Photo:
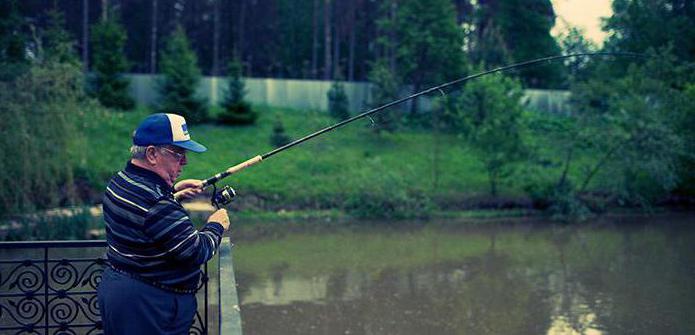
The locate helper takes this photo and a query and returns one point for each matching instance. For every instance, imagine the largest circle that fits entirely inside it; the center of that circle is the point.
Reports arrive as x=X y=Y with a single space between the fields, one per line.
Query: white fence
x=311 y=94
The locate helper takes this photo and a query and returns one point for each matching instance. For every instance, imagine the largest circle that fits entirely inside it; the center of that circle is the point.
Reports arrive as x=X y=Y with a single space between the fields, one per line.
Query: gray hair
x=138 y=152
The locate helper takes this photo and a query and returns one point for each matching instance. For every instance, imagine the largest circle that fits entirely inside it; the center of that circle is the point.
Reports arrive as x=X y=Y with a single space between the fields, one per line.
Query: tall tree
x=315 y=39
x=429 y=43
x=109 y=64
x=13 y=42
x=524 y=30
x=179 y=65
x=327 y=65
x=153 y=37
x=85 y=34
x=637 y=25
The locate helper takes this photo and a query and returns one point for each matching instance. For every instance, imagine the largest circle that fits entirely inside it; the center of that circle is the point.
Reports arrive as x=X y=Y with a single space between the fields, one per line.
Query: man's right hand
x=221 y=217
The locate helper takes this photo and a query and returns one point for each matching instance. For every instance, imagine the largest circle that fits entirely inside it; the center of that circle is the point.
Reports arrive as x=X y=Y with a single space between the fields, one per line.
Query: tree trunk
x=240 y=33
x=351 y=51
x=85 y=35
x=315 y=41
x=104 y=10
x=153 y=38
x=216 y=39
x=327 y=66
x=335 y=73
x=492 y=175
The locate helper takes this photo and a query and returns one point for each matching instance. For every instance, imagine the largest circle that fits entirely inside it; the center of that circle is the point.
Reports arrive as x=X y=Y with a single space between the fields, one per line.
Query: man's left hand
x=187 y=188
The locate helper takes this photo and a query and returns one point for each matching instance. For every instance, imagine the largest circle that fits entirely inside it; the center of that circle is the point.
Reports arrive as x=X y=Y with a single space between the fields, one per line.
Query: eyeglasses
x=180 y=157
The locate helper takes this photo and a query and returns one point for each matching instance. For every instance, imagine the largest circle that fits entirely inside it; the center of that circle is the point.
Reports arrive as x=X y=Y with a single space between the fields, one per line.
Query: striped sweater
x=150 y=235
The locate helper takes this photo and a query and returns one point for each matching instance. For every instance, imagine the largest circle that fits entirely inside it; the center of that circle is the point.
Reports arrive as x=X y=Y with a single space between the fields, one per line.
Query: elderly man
x=154 y=251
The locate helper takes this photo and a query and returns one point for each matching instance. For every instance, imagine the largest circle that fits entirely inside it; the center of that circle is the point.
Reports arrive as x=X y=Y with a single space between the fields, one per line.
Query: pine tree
x=57 y=44
x=181 y=76
x=279 y=138
x=236 y=109
x=338 y=101
x=109 y=64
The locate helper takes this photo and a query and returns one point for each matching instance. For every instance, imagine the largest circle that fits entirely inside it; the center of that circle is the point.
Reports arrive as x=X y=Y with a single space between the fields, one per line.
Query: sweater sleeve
x=172 y=231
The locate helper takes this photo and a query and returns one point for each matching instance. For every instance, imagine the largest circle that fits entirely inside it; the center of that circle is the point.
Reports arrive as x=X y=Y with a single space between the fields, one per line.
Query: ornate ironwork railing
x=50 y=288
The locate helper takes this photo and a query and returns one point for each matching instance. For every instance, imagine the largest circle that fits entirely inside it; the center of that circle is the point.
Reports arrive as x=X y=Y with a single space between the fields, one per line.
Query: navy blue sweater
x=150 y=235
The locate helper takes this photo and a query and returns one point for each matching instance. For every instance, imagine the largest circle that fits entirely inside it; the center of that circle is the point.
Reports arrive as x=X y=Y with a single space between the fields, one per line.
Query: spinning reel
x=223 y=197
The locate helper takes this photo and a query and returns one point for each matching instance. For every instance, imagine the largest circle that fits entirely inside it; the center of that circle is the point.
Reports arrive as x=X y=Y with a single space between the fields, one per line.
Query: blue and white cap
x=161 y=128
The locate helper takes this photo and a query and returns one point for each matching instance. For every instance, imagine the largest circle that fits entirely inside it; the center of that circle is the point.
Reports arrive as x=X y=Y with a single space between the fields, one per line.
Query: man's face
x=170 y=161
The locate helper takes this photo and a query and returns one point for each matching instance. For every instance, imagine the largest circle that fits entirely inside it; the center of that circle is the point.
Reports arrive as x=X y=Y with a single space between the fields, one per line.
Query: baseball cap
x=165 y=128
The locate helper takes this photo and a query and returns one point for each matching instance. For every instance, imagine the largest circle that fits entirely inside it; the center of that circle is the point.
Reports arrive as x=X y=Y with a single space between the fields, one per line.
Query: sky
x=585 y=14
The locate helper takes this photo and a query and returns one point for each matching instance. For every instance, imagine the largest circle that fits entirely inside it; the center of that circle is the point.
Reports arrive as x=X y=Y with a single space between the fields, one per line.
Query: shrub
x=338 y=101
x=278 y=138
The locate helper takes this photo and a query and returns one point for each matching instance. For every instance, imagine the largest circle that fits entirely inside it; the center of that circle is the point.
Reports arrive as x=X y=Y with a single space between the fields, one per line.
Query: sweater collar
x=148 y=175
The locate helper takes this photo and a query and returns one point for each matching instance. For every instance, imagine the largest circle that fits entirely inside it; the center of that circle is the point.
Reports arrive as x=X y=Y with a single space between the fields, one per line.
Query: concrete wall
x=311 y=94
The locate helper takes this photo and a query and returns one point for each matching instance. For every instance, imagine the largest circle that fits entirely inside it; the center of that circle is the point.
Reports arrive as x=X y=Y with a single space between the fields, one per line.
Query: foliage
x=73 y=225
x=236 y=109
x=523 y=28
x=628 y=128
x=109 y=64
x=572 y=41
x=181 y=75
x=686 y=164
x=338 y=101
x=56 y=45
x=488 y=114
x=43 y=110
x=637 y=25
x=390 y=199
x=385 y=87
x=279 y=138
x=427 y=44
x=13 y=41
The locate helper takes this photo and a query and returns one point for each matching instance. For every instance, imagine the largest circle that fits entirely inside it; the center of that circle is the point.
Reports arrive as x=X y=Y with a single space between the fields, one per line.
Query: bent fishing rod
x=226 y=194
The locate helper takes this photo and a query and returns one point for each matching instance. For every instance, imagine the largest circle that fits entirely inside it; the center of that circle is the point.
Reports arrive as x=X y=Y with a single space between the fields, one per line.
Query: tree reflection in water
x=474 y=279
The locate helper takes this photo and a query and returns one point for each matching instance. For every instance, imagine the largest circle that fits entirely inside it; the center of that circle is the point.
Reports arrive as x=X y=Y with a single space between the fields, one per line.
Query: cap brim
x=191 y=145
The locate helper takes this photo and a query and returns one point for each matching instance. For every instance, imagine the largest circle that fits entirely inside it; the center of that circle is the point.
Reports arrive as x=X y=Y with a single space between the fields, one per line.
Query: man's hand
x=221 y=217
x=187 y=188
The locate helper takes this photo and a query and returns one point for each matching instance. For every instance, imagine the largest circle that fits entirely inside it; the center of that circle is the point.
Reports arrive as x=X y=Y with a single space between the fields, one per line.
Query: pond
x=615 y=275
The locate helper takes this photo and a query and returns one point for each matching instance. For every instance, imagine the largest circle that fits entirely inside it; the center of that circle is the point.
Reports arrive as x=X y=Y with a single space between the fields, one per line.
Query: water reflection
x=492 y=278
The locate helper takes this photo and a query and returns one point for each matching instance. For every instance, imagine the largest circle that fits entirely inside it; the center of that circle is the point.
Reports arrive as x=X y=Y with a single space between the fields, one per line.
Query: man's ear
x=151 y=155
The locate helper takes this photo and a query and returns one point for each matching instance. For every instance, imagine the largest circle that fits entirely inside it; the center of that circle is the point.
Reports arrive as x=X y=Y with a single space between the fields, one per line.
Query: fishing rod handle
x=232 y=170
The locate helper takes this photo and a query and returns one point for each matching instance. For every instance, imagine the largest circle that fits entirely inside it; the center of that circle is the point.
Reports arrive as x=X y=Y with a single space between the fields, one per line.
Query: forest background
x=627 y=141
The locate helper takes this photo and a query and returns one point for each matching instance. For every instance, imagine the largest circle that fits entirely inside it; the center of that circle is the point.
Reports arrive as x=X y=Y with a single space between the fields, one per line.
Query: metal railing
x=50 y=288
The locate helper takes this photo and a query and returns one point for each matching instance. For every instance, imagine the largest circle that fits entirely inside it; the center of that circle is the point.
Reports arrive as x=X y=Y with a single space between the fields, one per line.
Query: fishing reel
x=222 y=197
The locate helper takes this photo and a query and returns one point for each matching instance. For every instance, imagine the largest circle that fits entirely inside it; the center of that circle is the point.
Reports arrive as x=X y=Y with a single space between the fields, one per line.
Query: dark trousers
x=131 y=307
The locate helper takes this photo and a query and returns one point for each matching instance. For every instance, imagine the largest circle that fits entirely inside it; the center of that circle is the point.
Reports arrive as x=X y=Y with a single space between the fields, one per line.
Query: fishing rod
x=227 y=193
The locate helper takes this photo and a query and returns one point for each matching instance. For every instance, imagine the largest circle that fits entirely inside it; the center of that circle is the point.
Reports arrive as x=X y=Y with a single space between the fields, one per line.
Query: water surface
x=616 y=275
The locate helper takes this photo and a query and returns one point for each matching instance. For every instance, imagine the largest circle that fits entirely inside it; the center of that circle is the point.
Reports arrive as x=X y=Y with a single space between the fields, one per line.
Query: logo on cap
x=184 y=127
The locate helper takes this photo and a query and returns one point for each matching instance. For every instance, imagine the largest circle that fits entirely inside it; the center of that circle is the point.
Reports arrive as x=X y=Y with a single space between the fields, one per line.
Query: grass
x=333 y=165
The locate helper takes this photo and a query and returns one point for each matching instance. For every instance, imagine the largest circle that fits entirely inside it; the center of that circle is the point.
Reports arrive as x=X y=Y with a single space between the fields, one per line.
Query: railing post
x=230 y=316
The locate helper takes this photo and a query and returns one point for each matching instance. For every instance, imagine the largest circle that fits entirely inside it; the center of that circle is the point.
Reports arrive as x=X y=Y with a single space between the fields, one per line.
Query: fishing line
x=257 y=159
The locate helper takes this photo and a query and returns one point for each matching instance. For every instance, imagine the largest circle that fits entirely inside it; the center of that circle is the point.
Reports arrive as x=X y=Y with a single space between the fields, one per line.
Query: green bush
x=72 y=225
x=399 y=204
